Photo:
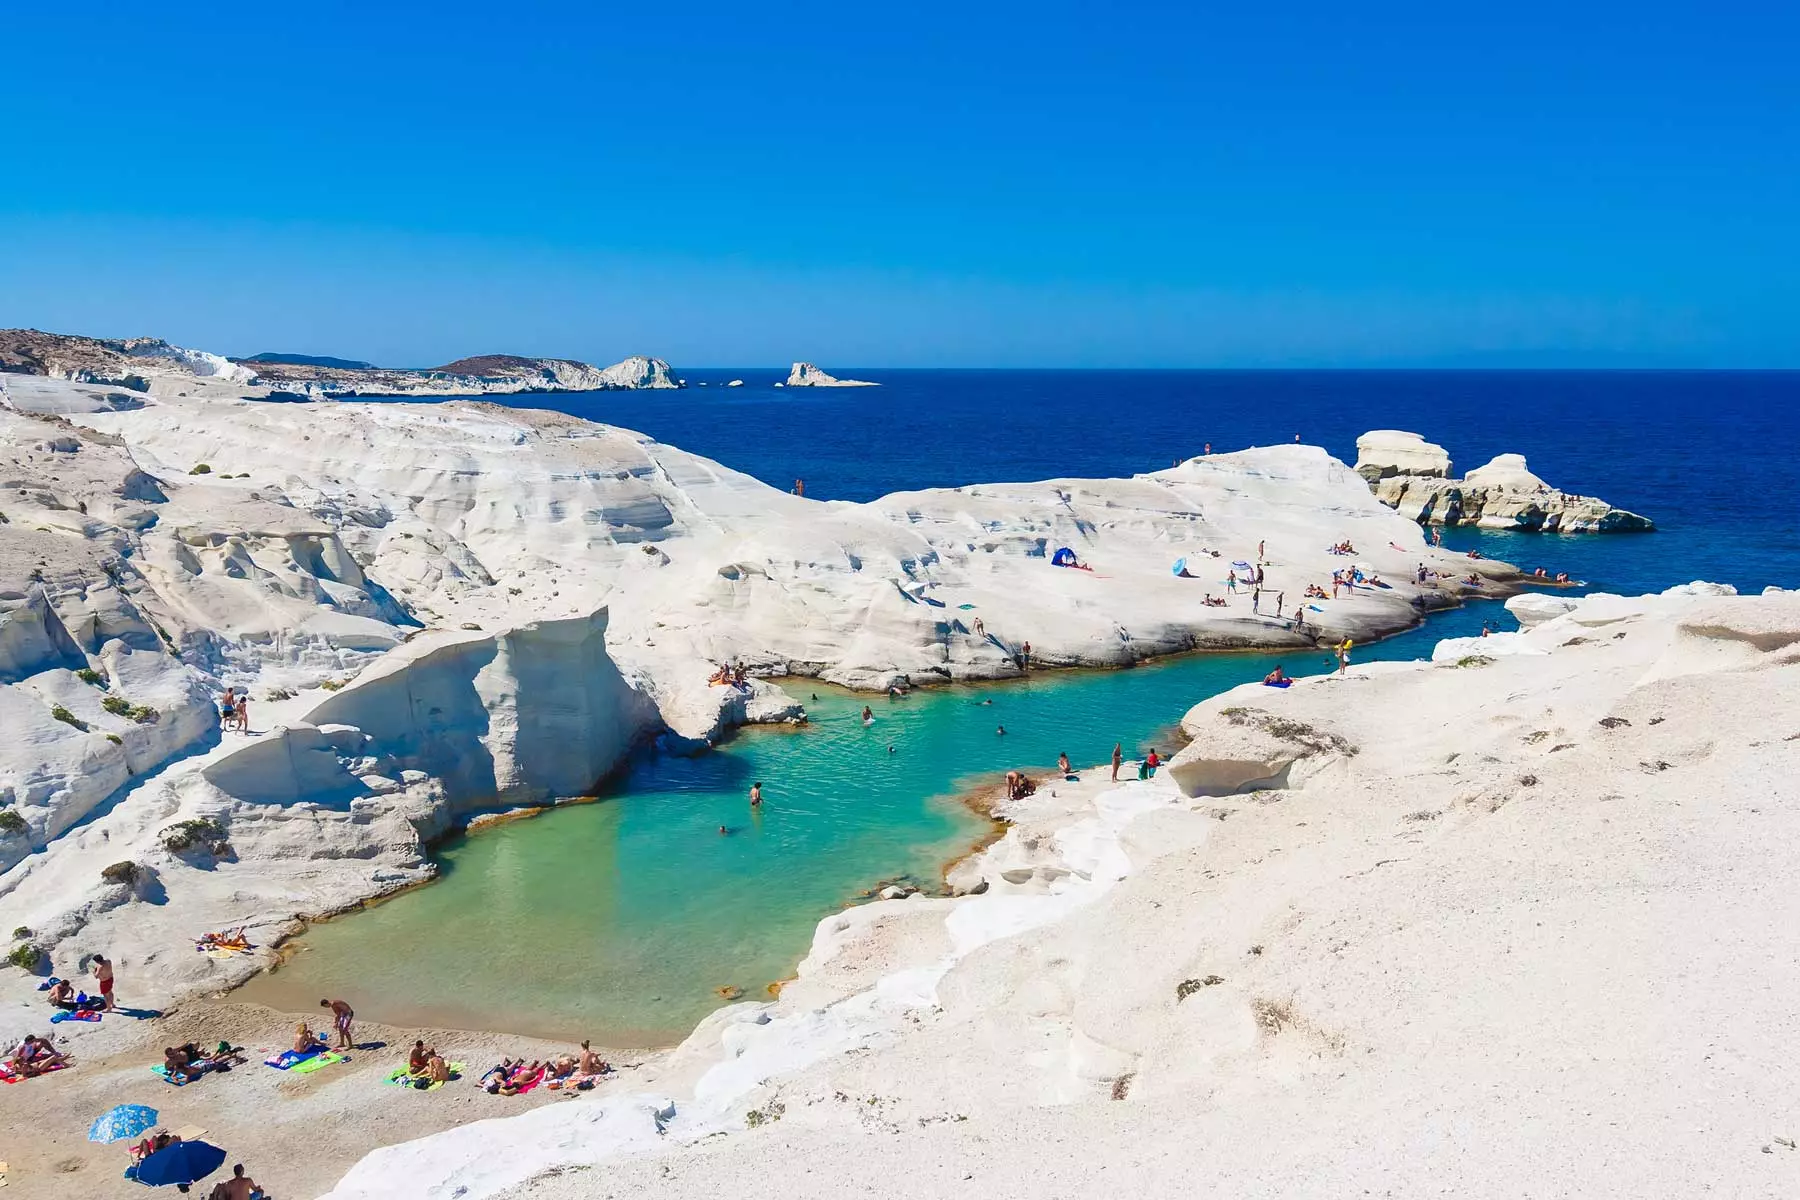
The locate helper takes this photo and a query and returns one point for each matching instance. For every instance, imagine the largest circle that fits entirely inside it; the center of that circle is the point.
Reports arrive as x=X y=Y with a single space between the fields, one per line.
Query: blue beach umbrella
x=127 y=1120
x=184 y=1162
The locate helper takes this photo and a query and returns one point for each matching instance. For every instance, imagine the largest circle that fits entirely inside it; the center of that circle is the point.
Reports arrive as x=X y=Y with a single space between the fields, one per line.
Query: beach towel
x=8 y=1075
x=406 y=1078
x=319 y=1062
x=576 y=1083
x=288 y=1058
x=536 y=1079
x=162 y=1073
x=1278 y=683
x=48 y=984
x=80 y=1014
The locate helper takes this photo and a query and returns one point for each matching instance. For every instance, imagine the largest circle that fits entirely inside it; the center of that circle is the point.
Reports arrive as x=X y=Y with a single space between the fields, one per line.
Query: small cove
x=620 y=920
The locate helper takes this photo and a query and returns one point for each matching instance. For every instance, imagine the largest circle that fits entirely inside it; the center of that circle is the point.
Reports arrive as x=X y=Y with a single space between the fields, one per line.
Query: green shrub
x=200 y=469
x=143 y=714
x=68 y=718
x=24 y=956
x=118 y=706
x=89 y=675
x=332 y=685
x=184 y=835
x=120 y=872
x=12 y=824
x=1473 y=660
x=21 y=933
x=115 y=739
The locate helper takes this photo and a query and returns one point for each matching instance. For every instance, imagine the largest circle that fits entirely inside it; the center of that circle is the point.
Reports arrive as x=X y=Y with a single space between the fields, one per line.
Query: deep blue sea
x=1712 y=456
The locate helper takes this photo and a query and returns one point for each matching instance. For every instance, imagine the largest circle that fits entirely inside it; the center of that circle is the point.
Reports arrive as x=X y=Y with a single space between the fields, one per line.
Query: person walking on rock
x=342 y=1017
x=1118 y=759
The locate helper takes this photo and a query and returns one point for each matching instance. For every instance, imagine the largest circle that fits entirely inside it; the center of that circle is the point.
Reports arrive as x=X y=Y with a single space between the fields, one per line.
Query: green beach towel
x=406 y=1078
x=318 y=1062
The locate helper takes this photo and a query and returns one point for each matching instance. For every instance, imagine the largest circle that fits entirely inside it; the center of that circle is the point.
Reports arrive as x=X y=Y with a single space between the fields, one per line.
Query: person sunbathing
x=153 y=1143
x=520 y=1079
x=1276 y=677
x=420 y=1057
x=35 y=1055
x=305 y=1040
x=177 y=1064
x=589 y=1061
x=437 y=1070
x=500 y=1074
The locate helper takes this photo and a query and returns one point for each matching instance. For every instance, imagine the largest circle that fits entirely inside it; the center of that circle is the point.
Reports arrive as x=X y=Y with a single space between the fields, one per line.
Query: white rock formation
x=1411 y=475
x=638 y=371
x=804 y=374
x=1381 y=453
x=153 y=365
x=183 y=544
x=1314 y=984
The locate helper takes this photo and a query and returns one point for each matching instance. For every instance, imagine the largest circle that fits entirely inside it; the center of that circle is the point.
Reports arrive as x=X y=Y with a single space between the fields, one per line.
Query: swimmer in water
x=756 y=794
x=723 y=830
x=890 y=749
x=1000 y=731
x=868 y=715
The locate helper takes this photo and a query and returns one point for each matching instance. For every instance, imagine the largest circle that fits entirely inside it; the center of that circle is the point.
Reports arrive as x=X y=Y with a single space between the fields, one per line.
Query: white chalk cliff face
x=159 y=549
x=804 y=374
x=1412 y=475
x=1316 y=973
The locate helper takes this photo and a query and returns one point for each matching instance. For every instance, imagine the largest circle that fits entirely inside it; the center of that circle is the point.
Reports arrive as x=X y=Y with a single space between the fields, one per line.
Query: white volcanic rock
x=1501 y=494
x=193 y=543
x=1534 y=608
x=1381 y=453
x=804 y=374
x=1505 y=471
x=638 y=372
x=1321 y=981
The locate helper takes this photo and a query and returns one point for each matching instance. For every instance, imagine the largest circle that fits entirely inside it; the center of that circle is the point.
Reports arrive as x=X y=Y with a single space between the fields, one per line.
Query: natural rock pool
x=620 y=920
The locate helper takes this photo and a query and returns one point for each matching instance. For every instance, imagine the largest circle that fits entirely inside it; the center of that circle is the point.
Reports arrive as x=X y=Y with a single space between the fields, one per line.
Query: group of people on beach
x=513 y=1077
x=234 y=710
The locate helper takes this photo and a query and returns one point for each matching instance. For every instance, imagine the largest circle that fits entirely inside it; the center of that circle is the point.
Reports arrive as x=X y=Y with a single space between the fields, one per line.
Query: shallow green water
x=617 y=920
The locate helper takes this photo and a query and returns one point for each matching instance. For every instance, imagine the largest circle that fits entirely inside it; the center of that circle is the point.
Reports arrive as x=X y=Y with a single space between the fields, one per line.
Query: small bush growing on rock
x=184 y=835
x=24 y=956
x=200 y=469
x=21 y=933
x=12 y=824
x=143 y=714
x=768 y=1113
x=1474 y=660
x=118 y=706
x=68 y=718
x=120 y=872
x=332 y=685
x=89 y=675
x=115 y=739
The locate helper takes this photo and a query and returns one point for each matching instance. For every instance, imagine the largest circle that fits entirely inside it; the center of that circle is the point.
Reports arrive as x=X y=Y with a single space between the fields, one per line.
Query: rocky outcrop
x=1411 y=475
x=1383 y=453
x=153 y=365
x=804 y=374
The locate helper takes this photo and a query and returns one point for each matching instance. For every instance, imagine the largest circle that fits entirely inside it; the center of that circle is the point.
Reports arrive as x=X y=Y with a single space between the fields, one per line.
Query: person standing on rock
x=1025 y=657
x=800 y=488
x=1259 y=554
x=103 y=975
x=1256 y=602
x=228 y=708
x=1280 y=599
x=243 y=713
x=1118 y=759
x=1231 y=582
x=342 y=1017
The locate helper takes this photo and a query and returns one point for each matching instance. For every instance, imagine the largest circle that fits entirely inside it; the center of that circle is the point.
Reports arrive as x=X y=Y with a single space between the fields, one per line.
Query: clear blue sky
x=1056 y=184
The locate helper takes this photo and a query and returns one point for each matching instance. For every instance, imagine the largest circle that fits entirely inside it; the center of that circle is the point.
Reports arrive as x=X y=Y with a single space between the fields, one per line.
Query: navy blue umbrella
x=184 y=1162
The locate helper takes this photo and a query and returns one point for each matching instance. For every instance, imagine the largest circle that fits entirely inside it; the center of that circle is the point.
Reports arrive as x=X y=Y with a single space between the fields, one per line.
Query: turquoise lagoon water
x=618 y=920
